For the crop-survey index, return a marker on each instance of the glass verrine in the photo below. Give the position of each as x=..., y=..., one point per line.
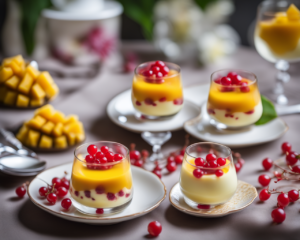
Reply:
x=277, y=38
x=235, y=105
x=101, y=188
x=157, y=90
x=213, y=183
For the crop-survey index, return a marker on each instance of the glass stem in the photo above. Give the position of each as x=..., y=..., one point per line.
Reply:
x=156, y=155
x=282, y=77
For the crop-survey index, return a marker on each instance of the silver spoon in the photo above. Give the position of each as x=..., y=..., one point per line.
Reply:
x=21, y=164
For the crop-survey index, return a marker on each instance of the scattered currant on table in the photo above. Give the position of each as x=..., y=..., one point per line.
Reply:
x=154, y=228
x=267, y=163
x=264, y=180
x=278, y=215
x=264, y=195
x=21, y=191
x=66, y=203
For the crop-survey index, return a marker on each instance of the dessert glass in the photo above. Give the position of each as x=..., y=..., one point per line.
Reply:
x=101, y=188
x=211, y=188
x=159, y=94
x=234, y=106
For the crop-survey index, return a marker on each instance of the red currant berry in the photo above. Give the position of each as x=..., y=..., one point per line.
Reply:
x=199, y=162
x=264, y=180
x=154, y=228
x=278, y=215
x=219, y=173
x=109, y=156
x=57, y=182
x=264, y=195
x=61, y=192
x=291, y=158
x=244, y=87
x=201, y=206
x=145, y=153
x=157, y=173
x=135, y=155
x=238, y=167
x=171, y=167
x=213, y=164
x=159, y=64
x=89, y=158
x=293, y=195
x=99, y=155
x=138, y=163
x=99, y=211
x=267, y=163
x=296, y=169
x=20, y=191
x=211, y=157
x=148, y=73
x=241, y=161
x=286, y=147
x=159, y=75
x=103, y=160
x=231, y=75
x=170, y=159
x=118, y=157
x=178, y=159
x=157, y=167
x=155, y=69
x=92, y=149
x=237, y=79
x=66, y=203
x=43, y=191
x=221, y=161
x=65, y=184
x=51, y=197
x=198, y=173
x=164, y=70
x=225, y=81
x=104, y=149
x=283, y=200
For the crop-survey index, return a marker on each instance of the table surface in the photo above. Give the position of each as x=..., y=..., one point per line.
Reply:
x=21, y=219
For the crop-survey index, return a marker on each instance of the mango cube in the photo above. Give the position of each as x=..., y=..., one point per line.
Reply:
x=22, y=101
x=37, y=122
x=12, y=82
x=15, y=66
x=79, y=137
x=71, y=138
x=10, y=98
x=22, y=134
x=33, y=138
x=48, y=128
x=5, y=73
x=58, y=129
x=47, y=83
x=19, y=60
x=71, y=118
x=37, y=92
x=26, y=84
x=293, y=13
x=74, y=127
x=60, y=142
x=58, y=117
x=32, y=71
x=3, y=91
x=46, y=111
x=45, y=142
x=37, y=102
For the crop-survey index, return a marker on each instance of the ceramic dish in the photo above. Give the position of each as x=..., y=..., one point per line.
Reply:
x=122, y=113
x=244, y=196
x=149, y=192
x=201, y=128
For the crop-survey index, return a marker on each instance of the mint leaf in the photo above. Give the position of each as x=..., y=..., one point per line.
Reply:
x=269, y=112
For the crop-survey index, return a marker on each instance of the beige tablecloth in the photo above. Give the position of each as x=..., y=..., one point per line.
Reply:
x=21, y=219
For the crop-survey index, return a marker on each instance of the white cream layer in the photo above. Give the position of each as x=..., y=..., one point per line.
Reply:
x=237, y=119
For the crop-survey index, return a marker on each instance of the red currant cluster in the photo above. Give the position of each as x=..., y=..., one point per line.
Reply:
x=156, y=71
x=100, y=156
x=232, y=79
x=283, y=199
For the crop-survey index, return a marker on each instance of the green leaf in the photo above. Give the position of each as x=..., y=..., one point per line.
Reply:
x=30, y=13
x=204, y=3
x=269, y=112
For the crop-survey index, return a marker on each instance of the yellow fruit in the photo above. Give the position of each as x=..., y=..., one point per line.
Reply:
x=48, y=127
x=58, y=129
x=71, y=138
x=37, y=102
x=10, y=98
x=5, y=73
x=12, y=82
x=70, y=119
x=33, y=138
x=26, y=84
x=32, y=71
x=18, y=59
x=37, y=92
x=37, y=122
x=22, y=134
x=46, y=111
x=45, y=142
x=293, y=13
x=79, y=137
x=3, y=91
x=47, y=83
x=58, y=117
x=61, y=142
x=22, y=101
x=74, y=127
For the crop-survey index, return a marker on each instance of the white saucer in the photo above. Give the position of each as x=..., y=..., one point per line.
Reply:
x=244, y=196
x=120, y=110
x=149, y=192
x=201, y=128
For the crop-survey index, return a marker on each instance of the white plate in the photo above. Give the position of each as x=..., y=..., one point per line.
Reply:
x=120, y=110
x=244, y=196
x=201, y=128
x=149, y=192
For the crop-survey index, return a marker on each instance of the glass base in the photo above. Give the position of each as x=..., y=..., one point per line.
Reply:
x=141, y=116
x=199, y=206
x=222, y=126
x=106, y=211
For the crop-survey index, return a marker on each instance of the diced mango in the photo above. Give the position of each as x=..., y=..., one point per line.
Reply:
x=37, y=92
x=58, y=129
x=293, y=13
x=32, y=71
x=3, y=91
x=48, y=85
x=61, y=142
x=48, y=127
x=71, y=138
x=10, y=98
x=70, y=119
x=33, y=138
x=58, y=117
x=13, y=82
x=22, y=101
x=26, y=84
x=6, y=61
x=22, y=134
x=52, y=91
x=19, y=59
x=37, y=122
x=74, y=127
x=22, y=72
x=79, y=137
x=17, y=69
x=45, y=142
x=46, y=111
x=5, y=73
x=37, y=102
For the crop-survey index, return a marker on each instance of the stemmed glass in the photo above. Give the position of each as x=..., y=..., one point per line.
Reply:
x=276, y=39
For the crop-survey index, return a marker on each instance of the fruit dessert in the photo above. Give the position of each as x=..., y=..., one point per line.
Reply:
x=234, y=98
x=51, y=129
x=279, y=36
x=22, y=85
x=207, y=181
x=101, y=179
x=156, y=89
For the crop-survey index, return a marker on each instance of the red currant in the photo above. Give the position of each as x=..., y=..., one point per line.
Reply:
x=198, y=173
x=238, y=167
x=291, y=158
x=65, y=184
x=170, y=159
x=293, y=195
x=267, y=163
x=171, y=167
x=20, y=191
x=43, y=191
x=159, y=64
x=236, y=79
x=157, y=173
x=154, y=228
x=231, y=74
x=159, y=75
x=109, y=156
x=199, y=162
x=241, y=161
x=92, y=149
x=89, y=158
x=157, y=167
x=51, y=197
x=278, y=215
x=226, y=81
x=118, y=157
x=155, y=69
x=145, y=153
x=66, y=203
x=221, y=161
x=99, y=155
x=211, y=157
x=103, y=160
x=264, y=195
x=57, y=182
x=178, y=159
x=99, y=211
x=244, y=87
x=138, y=163
x=219, y=173
x=62, y=191
x=135, y=155
x=283, y=200
x=213, y=164
x=264, y=180
x=286, y=147
x=148, y=73
x=296, y=169
x=104, y=149
x=164, y=70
